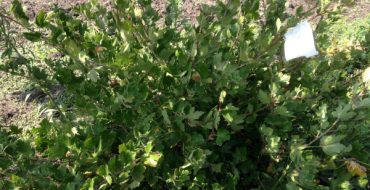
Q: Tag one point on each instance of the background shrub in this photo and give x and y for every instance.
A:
(212, 106)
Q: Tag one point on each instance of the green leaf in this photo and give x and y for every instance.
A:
(165, 117)
(194, 50)
(197, 139)
(267, 131)
(292, 186)
(273, 144)
(333, 149)
(264, 97)
(284, 78)
(296, 153)
(194, 115)
(104, 172)
(93, 75)
(331, 144)
(137, 173)
(222, 96)
(343, 112)
(149, 147)
(278, 24)
(216, 119)
(72, 48)
(6, 53)
(222, 136)
(152, 159)
(18, 12)
(366, 75)
(32, 36)
(244, 51)
(229, 117)
(217, 62)
(365, 103)
(281, 110)
(41, 19)
(122, 4)
(109, 179)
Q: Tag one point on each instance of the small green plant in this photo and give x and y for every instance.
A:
(212, 106)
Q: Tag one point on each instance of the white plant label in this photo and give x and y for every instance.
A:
(299, 42)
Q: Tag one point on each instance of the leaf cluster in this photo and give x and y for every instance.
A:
(211, 106)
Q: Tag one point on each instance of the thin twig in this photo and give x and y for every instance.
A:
(325, 133)
(259, 110)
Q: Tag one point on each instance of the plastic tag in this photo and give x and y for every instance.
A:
(299, 42)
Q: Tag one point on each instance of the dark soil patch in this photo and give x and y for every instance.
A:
(11, 111)
(361, 9)
(34, 6)
(191, 8)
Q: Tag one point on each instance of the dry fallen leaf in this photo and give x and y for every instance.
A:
(355, 168)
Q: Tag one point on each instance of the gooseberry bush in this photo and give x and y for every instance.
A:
(164, 104)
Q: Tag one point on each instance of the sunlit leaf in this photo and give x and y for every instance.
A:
(152, 159)
(331, 144)
(41, 19)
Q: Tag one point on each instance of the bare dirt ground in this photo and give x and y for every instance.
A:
(12, 109)
(191, 8)
(11, 106)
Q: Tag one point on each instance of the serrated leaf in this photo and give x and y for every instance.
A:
(282, 110)
(152, 159)
(104, 172)
(342, 112)
(137, 173)
(222, 136)
(194, 115)
(197, 139)
(348, 115)
(365, 103)
(264, 97)
(267, 131)
(273, 144)
(93, 75)
(284, 78)
(296, 153)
